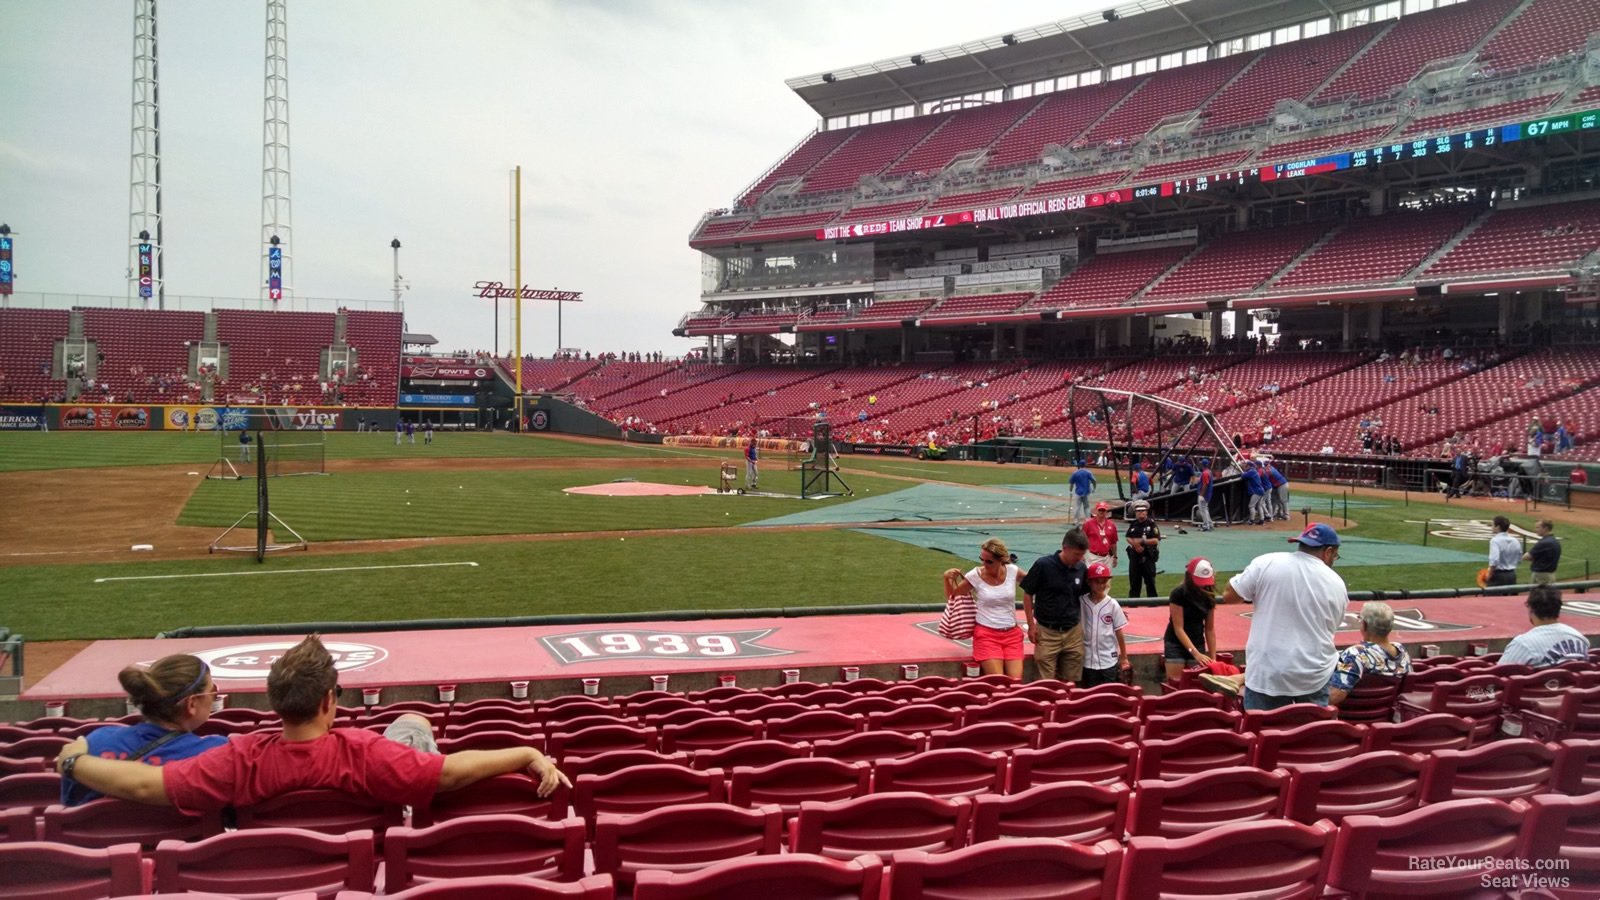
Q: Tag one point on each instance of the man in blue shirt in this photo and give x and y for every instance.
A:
(1182, 474)
(1257, 489)
(1141, 482)
(1279, 487)
(1083, 484)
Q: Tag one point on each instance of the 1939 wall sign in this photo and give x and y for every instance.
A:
(649, 643)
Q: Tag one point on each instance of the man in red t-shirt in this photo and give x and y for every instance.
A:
(302, 688)
(1102, 533)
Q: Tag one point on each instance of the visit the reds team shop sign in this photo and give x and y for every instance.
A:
(648, 643)
(496, 290)
(255, 660)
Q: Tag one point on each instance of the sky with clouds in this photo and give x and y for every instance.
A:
(630, 118)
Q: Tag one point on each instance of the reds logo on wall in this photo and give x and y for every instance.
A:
(255, 660)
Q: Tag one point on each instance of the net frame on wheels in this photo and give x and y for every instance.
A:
(819, 472)
(267, 524)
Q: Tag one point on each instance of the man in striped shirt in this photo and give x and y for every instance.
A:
(1549, 642)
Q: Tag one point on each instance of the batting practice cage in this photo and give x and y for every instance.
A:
(269, 533)
(288, 449)
(1116, 429)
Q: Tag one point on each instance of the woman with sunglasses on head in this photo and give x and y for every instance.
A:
(992, 585)
(174, 694)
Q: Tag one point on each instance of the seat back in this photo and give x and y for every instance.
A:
(108, 822)
(683, 838)
(617, 760)
(1314, 742)
(1578, 766)
(1166, 727)
(816, 725)
(267, 862)
(1066, 810)
(1502, 770)
(1375, 783)
(1424, 734)
(835, 696)
(918, 718)
(1179, 701)
(1024, 867)
(40, 746)
(1371, 700)
(589, 741)
(322, 811)
(659, 706)
(1179, 807)
(1257, 859)
(943, 773)
(1291, 716)
(881, 823)
(1094, 703)
(1093, 760)
(987, 737)
(1568, 829)
(474, 846)
(709, 734)
(871, 746)
(1098, 726)
(487, 735)
(1011, 710)
(1376, 855)
(866, 706)
(35, 790)
(495, 887)
(753, 754)
(48, 871)
(643, 788)
(1477, 698)
(1191, 754)
(788, 784)
(792, 876)
(516, 795)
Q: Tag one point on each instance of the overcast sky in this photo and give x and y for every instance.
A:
(629, 118)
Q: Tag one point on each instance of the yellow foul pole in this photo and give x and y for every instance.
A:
(517, 286)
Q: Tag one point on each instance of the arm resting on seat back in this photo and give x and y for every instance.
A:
(471, 766)
(123, 779)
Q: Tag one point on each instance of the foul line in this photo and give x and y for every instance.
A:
(284, 571)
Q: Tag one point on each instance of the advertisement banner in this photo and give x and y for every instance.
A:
(443, 361)
(300, 418)
(446, 372)
(21, 418)
(206, 418)
(106, 418)
(438, 399)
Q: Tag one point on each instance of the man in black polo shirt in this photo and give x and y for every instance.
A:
(1051, 592)
(1545, 553)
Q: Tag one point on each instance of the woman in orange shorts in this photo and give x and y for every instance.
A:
(996, 637)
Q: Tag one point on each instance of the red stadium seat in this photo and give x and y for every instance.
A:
(516, 795)
(43, 746)
(494, 887)
(869, 705)
(1578, 766)
(1095, 727)
(816, 725)
(1178, 701)
(1567, 829)
(789, 783)
(709, 734)
(1500, 770)
(1093, 760)
(322, 811)
(1066, 810)
(108, 823)
(267, 863)
(1476, 698)
(1376, 783)
(1315, 742)
(1253, 859)
(638, 698)
(1166, 727)
(987, 737)
(1084, 704)
(472, 846)
(658, 706)
(792, 877)
(1020, 868)
(1428, 734)
(1047, 690)
(643, 788)
(716, 693)
(19, 824)
(1290, 716)
(1379, 856)
(545, 708)
(871, 746)
(1010, 710)
(881, 823)
(617, 760)
(751, 754)
(739, 703)
(835, 696)
(467, 737)
(943, 773)
(902, 693)
(1179, 807)
(590, 741)
(46, 871)
(679, 717)
(877, 685)
(774, 709)
(9, 766)
(1574, 713)
(683, 838)
(11, 733)
(918, 718)
(32, 791)
(1201, 751)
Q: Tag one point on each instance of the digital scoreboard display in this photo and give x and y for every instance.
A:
(6, 272)
(274, 273)
(146, 271)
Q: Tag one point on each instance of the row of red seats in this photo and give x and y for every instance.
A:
(710, 850)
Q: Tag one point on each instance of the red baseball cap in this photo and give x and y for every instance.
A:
(1201, 571)
(1102, 505)
(1099, 572)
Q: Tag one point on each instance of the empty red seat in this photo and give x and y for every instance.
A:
(1501, 770)
(1567, 829)
(38, 869)
(1067, 810)
(589, 741)
(1166, 727)
(835, 696)
(1376, 783)
(792, 877)
(657, 706)
(322, 811)
(753, 754)
(881, 823)
(709, 734)
(774, 709)
(943, 773)
(870, 746)
(987, 737)
(1191, 754)
(1291, 716)
(1078, 706)
(679, 717)
(34, 790)
(1427, 734)
(816, 725)
(267, 863)
(19, 824)
(1578, 766)
(1093, 760)
(1314, 742)
(683, 838)
(487, 735)
(617, 760)
(108, 822)
(1009, 710)
(1099, 727)
(917, 718)
(643, 788)
(472, 846)
(789, 783)
(42, 746)
(1253, 859)
(494, 887)
(1019, 868)
(516, 795)
(1573, 713)
(1437, 850)
(1476, 698)
(1178, 701)
(1178, 807)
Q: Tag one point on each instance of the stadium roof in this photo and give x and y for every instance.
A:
(1139, 30)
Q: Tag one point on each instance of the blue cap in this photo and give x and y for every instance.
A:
(1205, 463)
(1317, 535)
(1249, 464)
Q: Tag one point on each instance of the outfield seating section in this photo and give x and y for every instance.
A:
(929, 787)
(1401, 51)
(1545, 30)
(973, 200)
(1110, 279)
(1075, 185)
(1472, 116)
(1531, 239)
(1289, 71)
(278, 353)
(1220, 162)
(27, 341)
(1164, 94)
(375, 336)
(549, 375)
(868, 151)
(1235, 264)
(1060, 119)
(139, 344)
(972, 130)
(1375, 251)
(808, 154)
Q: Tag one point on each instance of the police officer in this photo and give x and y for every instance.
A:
(1144, 549)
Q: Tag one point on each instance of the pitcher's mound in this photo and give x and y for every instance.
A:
(641, 489)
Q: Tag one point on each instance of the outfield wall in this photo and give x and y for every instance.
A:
(208, 417)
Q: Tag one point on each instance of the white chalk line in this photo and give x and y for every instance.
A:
(284, 571)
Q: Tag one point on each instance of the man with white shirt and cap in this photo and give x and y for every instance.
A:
(1299, 605)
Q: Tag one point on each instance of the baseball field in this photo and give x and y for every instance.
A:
(483, 525)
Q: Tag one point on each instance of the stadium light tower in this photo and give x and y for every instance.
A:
(277, 230)
(146, 261)
(399, 283)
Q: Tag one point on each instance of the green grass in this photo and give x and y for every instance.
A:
(736, 570)
(22, 451)
(379, 504)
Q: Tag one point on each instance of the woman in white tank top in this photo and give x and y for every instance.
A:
(992, 585)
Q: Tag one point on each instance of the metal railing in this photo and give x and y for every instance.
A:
(192, 302)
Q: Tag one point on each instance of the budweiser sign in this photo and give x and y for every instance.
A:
(495, 290)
